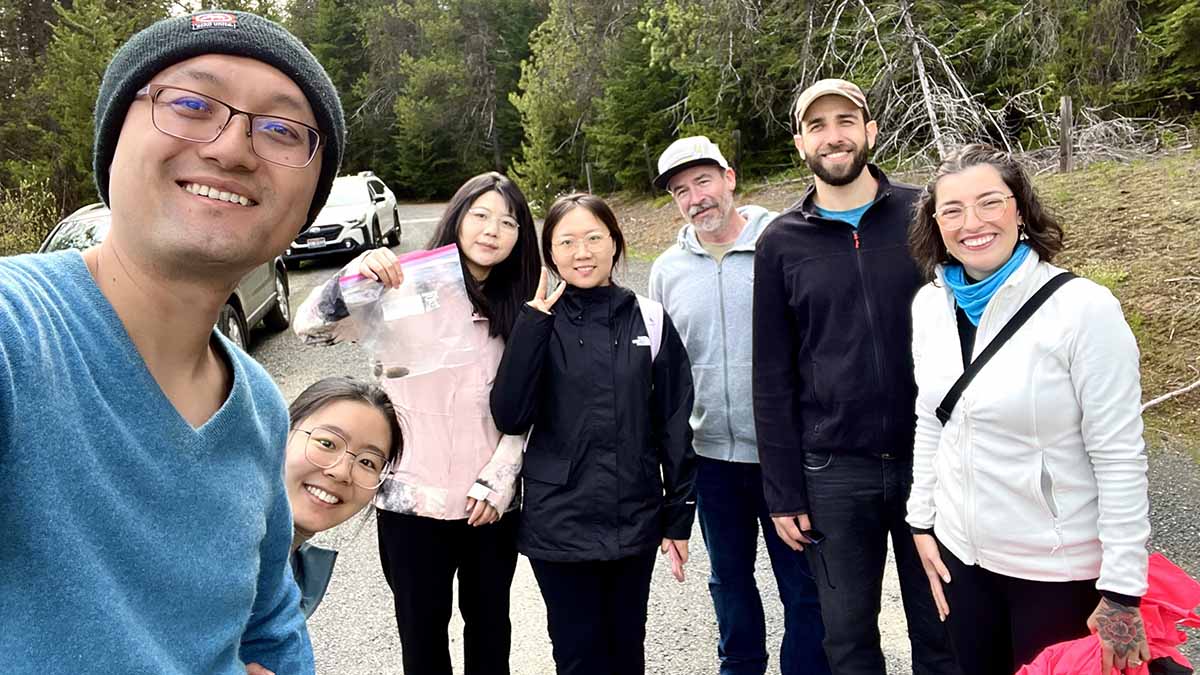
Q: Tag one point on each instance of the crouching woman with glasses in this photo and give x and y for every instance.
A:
(1028, 506)
(602, 377)
(344, 438)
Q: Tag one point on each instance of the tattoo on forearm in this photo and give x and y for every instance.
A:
(1121, 627)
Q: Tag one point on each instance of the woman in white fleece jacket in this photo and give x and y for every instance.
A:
(1029, 507)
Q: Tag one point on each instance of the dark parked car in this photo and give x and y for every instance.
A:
(262, 294)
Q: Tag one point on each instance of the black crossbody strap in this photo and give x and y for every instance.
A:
(1031, 305)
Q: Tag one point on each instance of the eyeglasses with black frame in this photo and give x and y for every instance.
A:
(326, 448)
(988, 208)
(200, 118)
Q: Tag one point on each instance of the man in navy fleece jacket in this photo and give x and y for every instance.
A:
(144, 519)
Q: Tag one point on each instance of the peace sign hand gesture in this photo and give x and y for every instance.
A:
(540, 301)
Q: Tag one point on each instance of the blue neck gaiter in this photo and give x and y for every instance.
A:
(974, 297)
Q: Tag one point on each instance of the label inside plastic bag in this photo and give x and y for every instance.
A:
(398, 307)
(424, 325)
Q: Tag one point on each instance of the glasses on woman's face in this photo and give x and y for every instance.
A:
(594, 243)
(988, 208)
(325, 448)
(507, 224)
(200, 118)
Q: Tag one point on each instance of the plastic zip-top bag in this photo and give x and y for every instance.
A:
(422, 326)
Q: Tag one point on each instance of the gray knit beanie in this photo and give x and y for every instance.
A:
(176, 39)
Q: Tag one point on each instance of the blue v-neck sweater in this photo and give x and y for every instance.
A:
(131, 542)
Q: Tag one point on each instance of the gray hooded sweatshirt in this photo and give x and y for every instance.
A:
(711, 305)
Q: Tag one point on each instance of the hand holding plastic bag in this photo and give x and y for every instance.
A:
(422, 325)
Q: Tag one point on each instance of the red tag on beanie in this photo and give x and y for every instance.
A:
(214, 20)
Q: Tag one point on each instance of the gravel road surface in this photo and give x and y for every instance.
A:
(354, 631)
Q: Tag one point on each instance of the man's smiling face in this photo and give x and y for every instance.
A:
(834, 140)
(216, 207)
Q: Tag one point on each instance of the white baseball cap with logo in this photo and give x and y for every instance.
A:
(684, 154)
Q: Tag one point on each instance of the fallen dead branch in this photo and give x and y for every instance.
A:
(1118, 138)
(1166, 397)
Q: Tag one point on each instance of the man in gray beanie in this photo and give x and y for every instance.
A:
(147, 523)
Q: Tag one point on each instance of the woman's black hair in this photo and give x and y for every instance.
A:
(1043, 232)
(512, 281)
(597, 207)
(333, 389)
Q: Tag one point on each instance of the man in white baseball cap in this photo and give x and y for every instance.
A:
(705, 283)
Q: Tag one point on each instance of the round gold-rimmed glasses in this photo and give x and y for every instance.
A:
(988, 208)
(594, 243)
(325, 448)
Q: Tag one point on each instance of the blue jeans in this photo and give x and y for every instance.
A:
(857, 502)
(729, 498)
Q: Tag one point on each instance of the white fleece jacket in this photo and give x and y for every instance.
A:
(1040, 473)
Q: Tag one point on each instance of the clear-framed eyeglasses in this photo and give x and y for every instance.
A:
(326, 448)
(988, 208)
(507, 224)
(200, 118)
(594, 243)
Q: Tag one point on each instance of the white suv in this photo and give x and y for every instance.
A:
(360, 214)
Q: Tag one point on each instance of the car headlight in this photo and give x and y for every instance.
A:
(356, 221)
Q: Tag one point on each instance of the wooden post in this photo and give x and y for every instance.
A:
(587, 167)
(1066, 144)
(649, 166)
(737, 150)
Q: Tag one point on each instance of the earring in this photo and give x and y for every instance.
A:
(1022, 235)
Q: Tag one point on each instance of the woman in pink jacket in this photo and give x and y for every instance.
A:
(449, 505)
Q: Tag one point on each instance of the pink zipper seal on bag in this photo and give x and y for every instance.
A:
(408, 258)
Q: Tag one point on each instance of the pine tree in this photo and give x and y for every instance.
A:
(83, 41)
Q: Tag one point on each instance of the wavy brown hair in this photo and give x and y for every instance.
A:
(1045, 235)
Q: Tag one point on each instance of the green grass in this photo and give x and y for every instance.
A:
(639, 255)
(1108, 275)
(661, 200)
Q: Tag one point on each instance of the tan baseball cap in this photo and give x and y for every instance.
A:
(684, 154)
(821, 88)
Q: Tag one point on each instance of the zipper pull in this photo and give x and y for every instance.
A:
(856, 240)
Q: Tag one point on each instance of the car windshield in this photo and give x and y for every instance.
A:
(347, 194)
(79, 234)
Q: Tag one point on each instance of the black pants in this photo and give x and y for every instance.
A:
(856, 501)
(420, 557)
(999, 623)
(596, 613)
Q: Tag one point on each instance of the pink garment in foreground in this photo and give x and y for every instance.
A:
(1169, 603)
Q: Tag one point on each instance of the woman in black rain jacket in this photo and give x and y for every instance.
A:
(609, 468)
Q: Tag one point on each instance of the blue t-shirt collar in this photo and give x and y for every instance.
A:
(852, 216)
